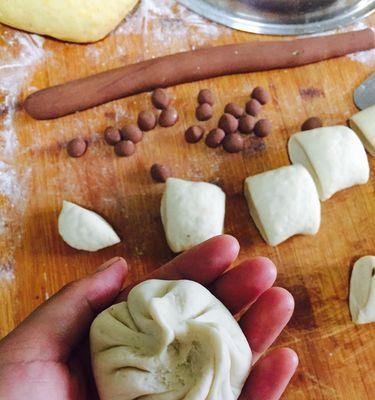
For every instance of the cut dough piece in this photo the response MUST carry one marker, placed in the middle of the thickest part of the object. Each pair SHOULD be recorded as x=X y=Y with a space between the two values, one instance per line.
x=334 y=156
x=171 y=340
x=283 y=202
x=72 y=20
x=363 y=123
x=191 y=212
x=362 y=291
x=85 y=230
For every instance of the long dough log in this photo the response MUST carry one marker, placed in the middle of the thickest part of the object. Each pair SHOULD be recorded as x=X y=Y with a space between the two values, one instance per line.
x=191 y=66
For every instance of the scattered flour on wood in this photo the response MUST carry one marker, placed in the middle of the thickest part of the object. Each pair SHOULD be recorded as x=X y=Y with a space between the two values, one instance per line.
x=19 y=54
x=167 y=22
x=363 y=57
x=161 y=26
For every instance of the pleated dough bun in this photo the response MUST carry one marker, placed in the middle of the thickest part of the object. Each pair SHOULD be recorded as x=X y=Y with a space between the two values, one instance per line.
x=171 y=340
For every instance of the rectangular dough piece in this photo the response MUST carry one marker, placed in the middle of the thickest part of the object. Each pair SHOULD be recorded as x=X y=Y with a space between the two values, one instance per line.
x=363 y=124
x=333 y=155
x=191 y=212
x=283 y=202
x=362 y=291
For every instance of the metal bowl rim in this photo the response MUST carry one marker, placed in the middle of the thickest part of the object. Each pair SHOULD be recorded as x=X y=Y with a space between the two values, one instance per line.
x=236 y=22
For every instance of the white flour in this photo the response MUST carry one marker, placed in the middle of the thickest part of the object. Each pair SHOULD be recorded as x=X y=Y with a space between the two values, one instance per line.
x=163 y=26
x=166 y=22
x=364 y=57
x=19 y=54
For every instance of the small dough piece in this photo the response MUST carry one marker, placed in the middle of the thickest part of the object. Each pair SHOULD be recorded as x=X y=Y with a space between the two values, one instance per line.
x=78 y=21
x=85 y=230
x=171 y=340
x=362 y=291
x=283 y=202
x=191 y=212
x=333 y=155
x=363 y=123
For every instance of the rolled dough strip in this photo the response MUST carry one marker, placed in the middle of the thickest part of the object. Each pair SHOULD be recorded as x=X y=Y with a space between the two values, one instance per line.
x=191 y=66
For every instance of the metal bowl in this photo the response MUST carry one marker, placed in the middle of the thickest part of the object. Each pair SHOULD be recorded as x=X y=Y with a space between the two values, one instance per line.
x=282 y=17
x=289 y=6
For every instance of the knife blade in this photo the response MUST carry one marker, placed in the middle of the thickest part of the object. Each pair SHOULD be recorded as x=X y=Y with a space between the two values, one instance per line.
x=364 y=95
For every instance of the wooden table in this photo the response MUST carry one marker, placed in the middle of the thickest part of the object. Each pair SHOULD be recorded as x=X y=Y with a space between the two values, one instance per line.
x=337 y=358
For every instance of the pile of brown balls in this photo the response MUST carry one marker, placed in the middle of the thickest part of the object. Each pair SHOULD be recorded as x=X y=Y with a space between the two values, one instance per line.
x=125 y=139
x=235 y=122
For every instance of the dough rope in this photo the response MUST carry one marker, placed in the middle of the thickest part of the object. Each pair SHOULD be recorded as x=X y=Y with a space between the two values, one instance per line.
x=191 y=66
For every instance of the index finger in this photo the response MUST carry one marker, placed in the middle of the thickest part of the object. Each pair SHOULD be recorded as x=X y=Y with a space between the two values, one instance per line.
x=203 y=263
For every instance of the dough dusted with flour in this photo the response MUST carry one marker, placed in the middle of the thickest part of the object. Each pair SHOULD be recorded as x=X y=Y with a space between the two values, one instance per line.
x=334 y=156
x=72 y=20
x=363 y=123
x=85 y=230
x=191 y=212
x=171 y=340
x=283 y=202
x=362 y=291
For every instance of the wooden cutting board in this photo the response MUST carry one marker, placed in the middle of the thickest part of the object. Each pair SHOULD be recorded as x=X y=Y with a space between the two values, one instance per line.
x=337 y=358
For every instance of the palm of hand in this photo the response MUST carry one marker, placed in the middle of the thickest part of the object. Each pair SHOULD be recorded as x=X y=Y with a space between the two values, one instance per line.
x=39 y=352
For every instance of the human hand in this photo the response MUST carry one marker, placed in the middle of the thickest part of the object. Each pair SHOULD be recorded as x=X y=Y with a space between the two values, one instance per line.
x=47 y=357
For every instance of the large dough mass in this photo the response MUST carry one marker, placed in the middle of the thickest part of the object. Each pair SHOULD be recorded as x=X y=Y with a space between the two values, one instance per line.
x=283 y=202
x=191 y=212
x=362 y=291
x=72 y=20
x=172 y=340
x=334 y=156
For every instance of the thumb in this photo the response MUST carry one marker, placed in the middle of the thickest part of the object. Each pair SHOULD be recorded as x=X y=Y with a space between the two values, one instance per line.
x=55 y=327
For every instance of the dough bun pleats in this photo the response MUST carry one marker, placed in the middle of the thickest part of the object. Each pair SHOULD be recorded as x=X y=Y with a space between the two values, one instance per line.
x=171 y=340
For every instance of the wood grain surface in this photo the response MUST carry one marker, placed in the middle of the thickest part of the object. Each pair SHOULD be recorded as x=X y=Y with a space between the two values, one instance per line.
x=337 y=358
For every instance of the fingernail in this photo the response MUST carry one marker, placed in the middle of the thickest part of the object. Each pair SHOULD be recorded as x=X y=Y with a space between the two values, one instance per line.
x=111 y=262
